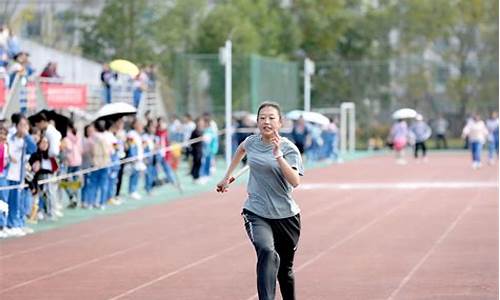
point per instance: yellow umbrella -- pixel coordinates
(124, 66)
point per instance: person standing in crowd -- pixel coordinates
(476, 132)
(21, 67)
(210, 147)
(140, 85)
(271, 215)
(469, 120)
(314, 150)
(398, 137)
(440, 128)
(101, 158)
(196, 149)
(21, 145)
(89, 184)
(43, 167)
(175, 129)
(164, 156)
(120, 148)
(54, 137)
(71, 148)
(422, 132)
(22, 70)
(492, 125)
(107, 77)
(301, 134)
(113, 166)
(186, 129)
(50, 71)
(330, 137)
(148, 140)
(4, 194)
(135, 149)
(244, 126)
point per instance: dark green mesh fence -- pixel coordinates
(199, 83)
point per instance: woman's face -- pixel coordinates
(138, 126)
(44, 144)
(3, 135)
(268, 121)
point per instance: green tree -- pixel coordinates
(122, 30)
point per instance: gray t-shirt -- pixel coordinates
(269, 194)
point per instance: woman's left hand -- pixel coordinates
(276, 141)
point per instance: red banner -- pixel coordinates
(3, 92)
(60, 95)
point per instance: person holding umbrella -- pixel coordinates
(398, 137)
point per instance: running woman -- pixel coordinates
(271, 215)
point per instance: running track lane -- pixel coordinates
(437, 244)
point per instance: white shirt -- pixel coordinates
(54, 138)
(16, 145)
(476, 131)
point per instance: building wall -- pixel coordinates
(73, 68)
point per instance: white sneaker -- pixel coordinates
(401, 161)
(58, 213)
(135, 196)
(27, 230)
(3, 234)
(15, 232)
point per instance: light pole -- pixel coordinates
(225, 57)
(308, 72)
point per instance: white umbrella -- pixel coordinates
(404, 113)
(309, 116)
(115, 110)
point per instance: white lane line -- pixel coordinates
(344, 240)
(207, 258)
(64, 270)
(79, 238)
(400, 185)
(73, 267)
(431, 250)
(186, 267)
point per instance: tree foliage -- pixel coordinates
(450, 45)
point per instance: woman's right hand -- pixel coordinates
(223, 185)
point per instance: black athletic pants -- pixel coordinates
(275, 242)
(420, 145)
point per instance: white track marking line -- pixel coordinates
(207, 258)
(431, 250)
(89, 235)
(179, 270)
(52, 274)
(345, 239)
(64, 270)
(400, 185)
(50, 244)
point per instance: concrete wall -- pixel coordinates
(73, 68)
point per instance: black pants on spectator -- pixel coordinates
(421, 146)
(195, 169)
(275, 242)
(119, 182)
(441, 139)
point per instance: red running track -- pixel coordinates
(436, 237)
